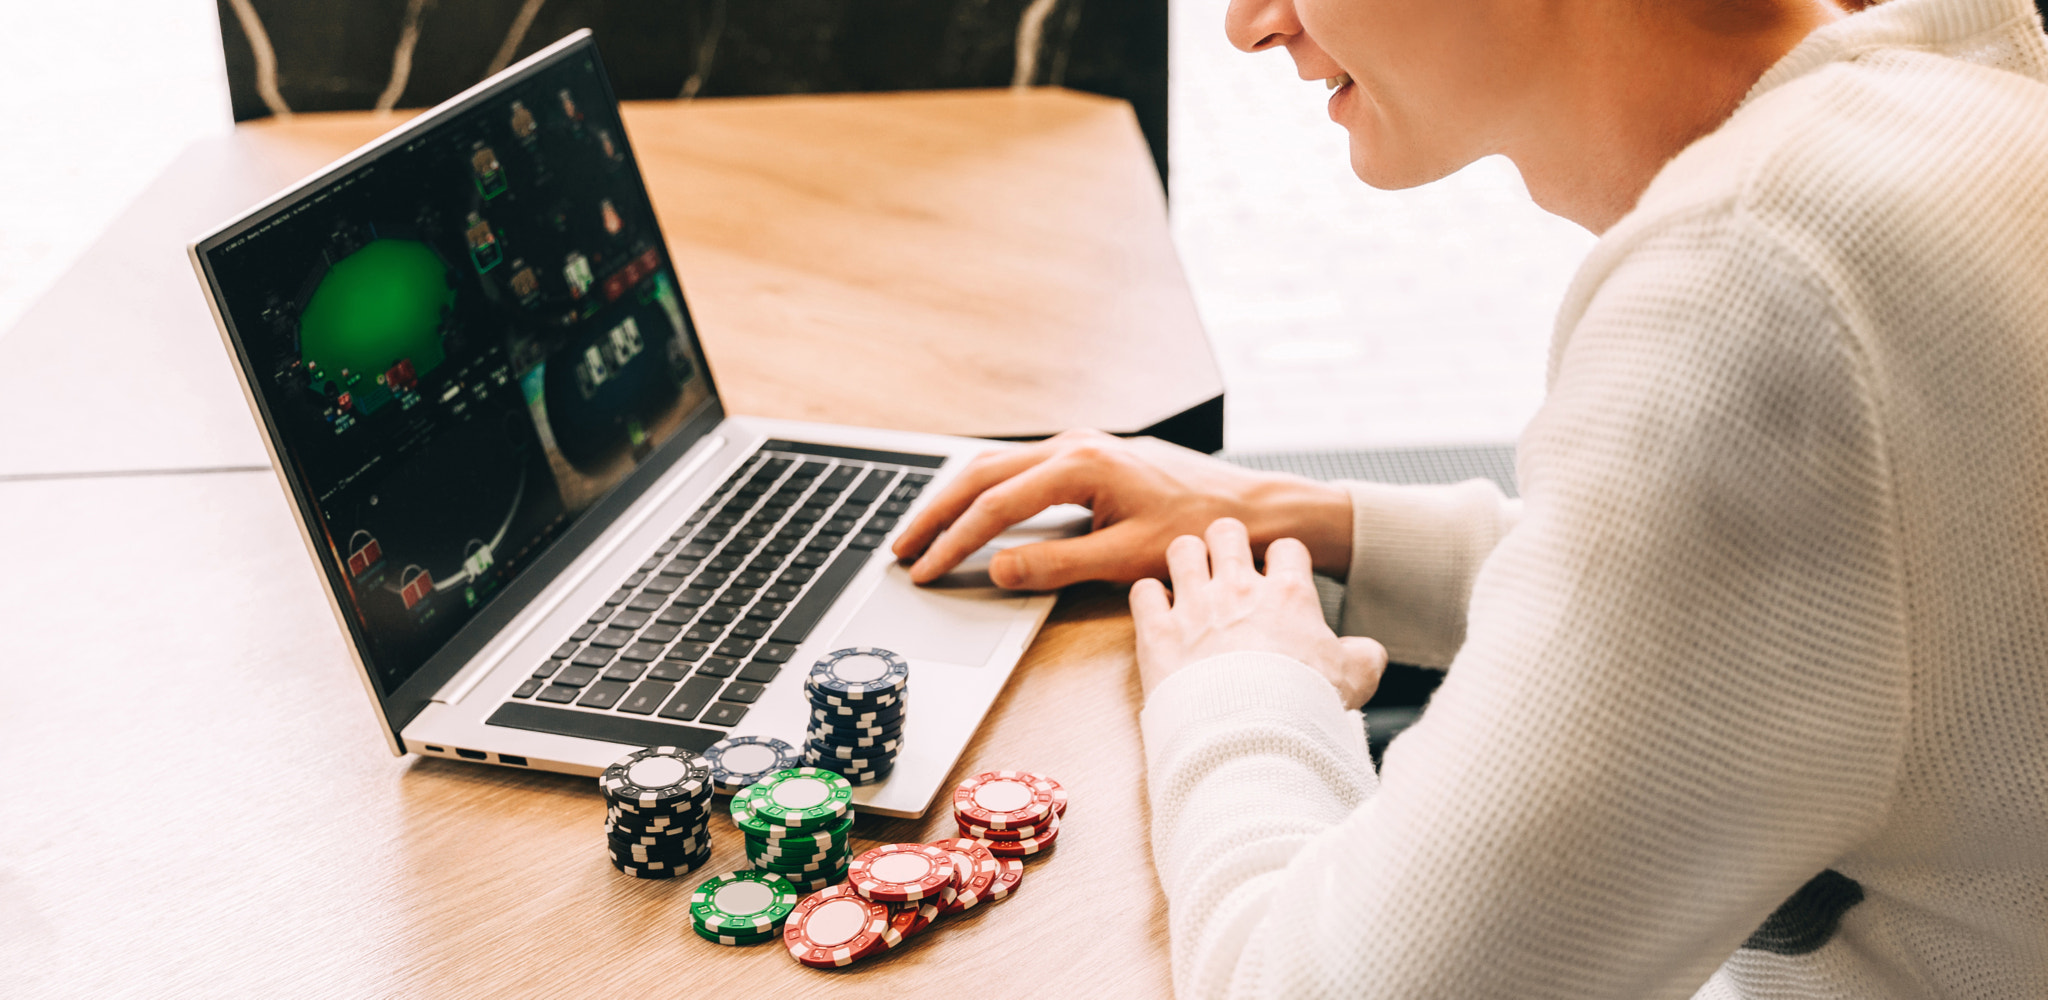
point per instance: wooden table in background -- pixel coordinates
(194, 799)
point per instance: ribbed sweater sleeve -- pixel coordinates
(1682, 689)
(1414, 552)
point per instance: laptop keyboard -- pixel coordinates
(713, 616)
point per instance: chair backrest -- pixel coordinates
(290, 55)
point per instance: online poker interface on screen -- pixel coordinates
(463, 343)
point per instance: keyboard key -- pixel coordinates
(603, 612)
(660, 633)
(670, 545)
(676, 615)
(727, 562)
(893, 508)
(642, 651)
(527, 687)
(806, 472)
(680, 567)
(840, 525)
(612, 638)
(905, 492)
(576, 676)
(583, 632)
(752, 628)
(624, 670)
(744, 692)
(751, 578)
(692, 597)
(704, 632)
(718, 614)
(560, 694)
(775, 652)
(842, 476)
(736, 596)
(816, 601)
(918, 479)
(604, 694)
(629, 619)
(866, 540)
(718, 666)
(646, 698)
(694, 550)
(618, 597)
(881, 522)
(648, 602)
(565, 650)
(809, 559)
(760, 672)
(779, 546)
(547, 668)
(711, 579)
(595, 656)
(724, 713)
(767, 611)
(824, 541)
(736, 647)
(663, 585)
(636, 579)
(689, 699)
(689, 652)
(871, 487)
(668, 670)
(766, 563)
(781, 593)
(750, 534)
(806, 515)
(797, 575)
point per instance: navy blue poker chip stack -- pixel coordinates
(857, 698)
(657, 818)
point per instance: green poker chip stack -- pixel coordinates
(796, 823)
(742, 907)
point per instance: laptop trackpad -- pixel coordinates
(952, 625)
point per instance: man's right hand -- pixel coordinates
(1144, 493)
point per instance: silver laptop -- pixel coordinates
(544, 538)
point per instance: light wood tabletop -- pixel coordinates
(990, 263)
(195, 799)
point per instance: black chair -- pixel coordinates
(291, 55)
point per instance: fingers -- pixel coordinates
(1118, 552)
(1230, 548)
(1289, 557)
(1187, 564)
(1148, 603)
(1014, 499)
(985, 471)
(1365, 661)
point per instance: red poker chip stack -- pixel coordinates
(897, 891)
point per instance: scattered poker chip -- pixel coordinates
(791, 849)
(775, 834)
(858, 674)
(802, 867)
(1000, 800)
(656, 778)
(737, 940)
(834, 927)
(739, 761)
(742, 902)
(798, 798)
(975, 871)
(899, 873)
(822, 882)
(1023, 848)
(1008, 877)
(1059, 794)
(907, 919)
(860, 779)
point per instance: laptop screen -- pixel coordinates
(461, 343)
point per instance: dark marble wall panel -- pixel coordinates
(355, 54)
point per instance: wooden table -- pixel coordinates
(194, 799)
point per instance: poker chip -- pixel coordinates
(798, 798)
(823, 881)
(827, 700)
(737, 940)
(860, 736)
(1013, 833)
(907, 919)
(1026, 847)
(1059, 794)
(655, 822)
(684, 848)
(1001, 800)
(858, 674)
(802, 867)
(656, 778)
(757, 828)
(887, 748)
(899, 873)
(1008, 876)
(654, 838)
(742, 902)
(739, 761)
(834, 927)
(858, 715)
(975, 871)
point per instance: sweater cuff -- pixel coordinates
(1414, 553)
(1236, 685)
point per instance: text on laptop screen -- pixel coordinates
(463, 343)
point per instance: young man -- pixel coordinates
(1749, 697)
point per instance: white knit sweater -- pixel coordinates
(1776, 603)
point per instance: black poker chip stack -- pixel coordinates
(657, 812)
(859, 698)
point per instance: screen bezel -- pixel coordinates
(398, 707)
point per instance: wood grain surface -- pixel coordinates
(197, 803)
(991, 263)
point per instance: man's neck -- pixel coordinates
(1641, 84)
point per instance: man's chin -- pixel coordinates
(1390, 166)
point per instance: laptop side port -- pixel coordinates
(471, 754)
(506, 758)
(434, 749)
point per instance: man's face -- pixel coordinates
(1432, 84)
